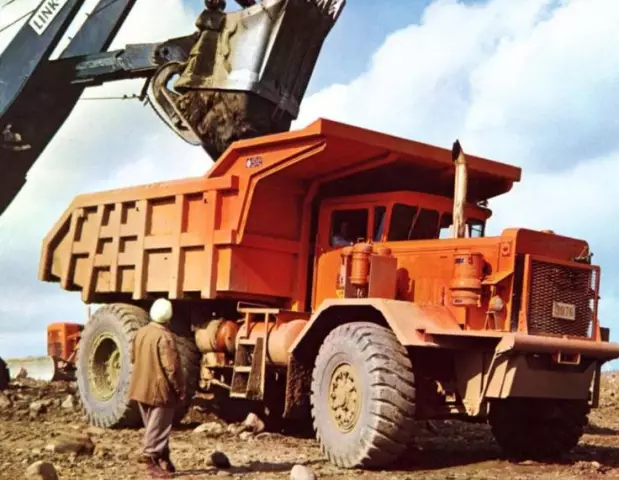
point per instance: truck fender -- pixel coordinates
(406, 319)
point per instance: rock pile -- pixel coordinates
(27, 399)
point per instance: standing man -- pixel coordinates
(157, 385)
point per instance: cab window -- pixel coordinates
(347, 226)
(408, 222)
(474, 228)
(426, 226)
(402, 218)
(380, 215)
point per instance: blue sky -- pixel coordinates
(531, 83)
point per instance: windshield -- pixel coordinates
(410, 222)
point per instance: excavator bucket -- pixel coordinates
(44, 369)
(247, 72)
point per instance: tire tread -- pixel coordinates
(390, 423)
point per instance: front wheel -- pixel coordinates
(537, 429)
(363, 396)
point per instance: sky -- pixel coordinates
(531, 83)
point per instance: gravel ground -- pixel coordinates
(40, 422)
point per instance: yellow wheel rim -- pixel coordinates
(344, 398)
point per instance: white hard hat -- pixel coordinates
(161, 311)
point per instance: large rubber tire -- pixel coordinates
(379, 426)
(4, 375)
(537, 429)
(190, 362)
(121, 322)
(105, 404)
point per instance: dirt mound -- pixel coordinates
(34, 401)
(221, 118)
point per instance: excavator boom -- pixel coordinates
(256, 61)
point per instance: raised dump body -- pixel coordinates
(242, 231)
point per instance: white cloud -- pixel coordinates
(531, 83)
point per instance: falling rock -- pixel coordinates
(69, 403)
(301, 472)
(253, 423)
(211, 429)
(220, 460)
(41, 471)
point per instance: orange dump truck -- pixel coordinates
(344, 276)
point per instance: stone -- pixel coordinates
(96, 431)
(72, 443)
(101, 451)
(253, 423)
(41, 471)
(5, 402)
(37, 407)
(211, 429)
(246, 435)
(301, 472)
(220, 460)
(69, 403)
(235, 429)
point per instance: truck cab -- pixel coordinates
(390, 219)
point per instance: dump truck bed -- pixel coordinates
(242, 230)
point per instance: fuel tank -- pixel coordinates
(221, 336)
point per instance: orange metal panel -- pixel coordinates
(245, 226)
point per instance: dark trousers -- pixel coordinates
(158, 426)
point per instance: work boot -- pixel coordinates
(166, 464)
(155, 471)
(152, 467)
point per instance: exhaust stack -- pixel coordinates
(460, 184)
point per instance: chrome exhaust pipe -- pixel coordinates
(460, 190)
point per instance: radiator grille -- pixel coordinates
(550, 283)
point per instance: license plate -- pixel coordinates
(564, 311)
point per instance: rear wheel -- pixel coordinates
(104, 365)
(537, 429)
(363, 396)
(190, 363)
